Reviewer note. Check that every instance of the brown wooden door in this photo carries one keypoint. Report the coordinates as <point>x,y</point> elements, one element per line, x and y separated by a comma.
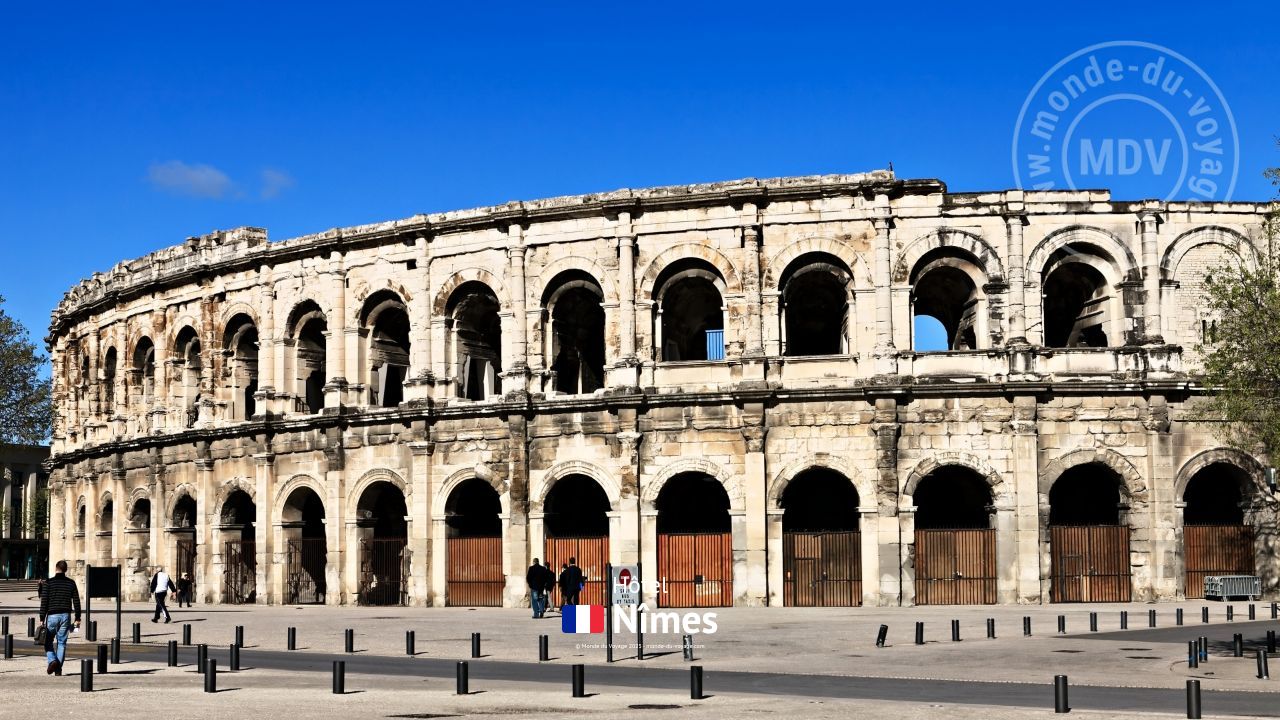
<point>474,576</point>
<point>956,567</point>
<point>1216,550</point>
<point>592,554</point>
<point>696,569</point>
<point>822,569</point>
<point>1090,563</point>
<point>384,571</point>
<point>239,571</point>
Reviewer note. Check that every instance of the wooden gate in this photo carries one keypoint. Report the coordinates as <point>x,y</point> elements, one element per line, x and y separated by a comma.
<point>822,569</point>
<point>1216,550</point>
<point>384,571</point>
<point>305,582</point>
<point>956,567</point>
<point>592,554</point>
<point>1090,563</point>
<point>696,569</point>
<point>239,572</point>
<point>474,576</point>
<point>185,558</point>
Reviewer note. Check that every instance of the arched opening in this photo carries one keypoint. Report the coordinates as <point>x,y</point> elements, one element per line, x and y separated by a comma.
<point>474,576</point>
<point>109,363</point>
<point>137,541</point>
<point>476,332</point>
<point>1078,300</point>
<point>182,529</point>
<point>140,517</point>
<point>1088,544</point>
<point>695,543</point>
<point>955,543</point>
<point>240,344</point>
<point>188,368</point>
<point>309,332</point>
<point>816,306</point>
<point>945,288</point>
<point>302,522</point>
<point>385,321</point>
<point>237,530</point>
<point>1215,537</point>
<point>576,519</point>
<point>382,529</point>
<point>106,526</point>
<point>574,329</point>
<point>690,306</point>
<point>821,545</point>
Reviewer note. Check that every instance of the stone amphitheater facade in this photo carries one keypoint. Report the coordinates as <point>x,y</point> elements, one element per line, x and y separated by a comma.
<point>724,380</point>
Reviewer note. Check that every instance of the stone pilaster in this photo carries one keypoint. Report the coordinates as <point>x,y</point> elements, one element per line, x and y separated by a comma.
<point>421,378</point>
<point>421,547</point>
<point>757,481</point>
<point>1162,519</point>
<point>1015,268</point>
<point>1025,476</point>
<point>338,346</point>
<point>516,353</point>
<point>886,355</point>
<point>1149,218</point>
<point>269,578</point>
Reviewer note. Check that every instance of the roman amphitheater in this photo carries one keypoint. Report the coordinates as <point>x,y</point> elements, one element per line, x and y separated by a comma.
<point>728,383</point>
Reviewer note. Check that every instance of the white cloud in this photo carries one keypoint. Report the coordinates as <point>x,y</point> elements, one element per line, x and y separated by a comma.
<point>197,180</point>
<point>274,182</point>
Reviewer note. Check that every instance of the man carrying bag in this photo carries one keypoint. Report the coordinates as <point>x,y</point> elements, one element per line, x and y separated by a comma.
<point>61,598</point>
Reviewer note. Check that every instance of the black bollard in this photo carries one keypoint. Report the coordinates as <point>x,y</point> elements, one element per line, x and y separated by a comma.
<point>8,646</point>
<point>211,676</point>
<point>1253,612</point>
<point>86,675</point>
<point>579,681</point>
<point>463,688</point>
<point>1204,649</point>
<point>991,628</point>
<point>186,634</point>
<point>409,648</point>
<point>687,646</point>
<point>544,648</point>
<point>919,633</point>
<point>173,653</point>
<point>4,624</point>
<point>1124,619</point>
<point>1093,622</point>
<point>1193,655</point>
<point>1204,614</point>
<point>137,633</point>
<point>955,631</point>
<point>1193,698</point>
<point>102,659</point>
<point>1151,618</point>
<point>1060,704</point>
<point>350,640</point>
<point>475,645</point>
<point>115,651</point>
<point>695,682</point>
<point>91,632</point>
<point>1178,616</point>
<point>339,677</point>
<point>1263,673</point>
<point>233,662</point>
<point>240,636</point>
<point>291,638</point>
<point>882,635</point>
<point>1231,613</point>
<point>31,627</point>
<point>1275,610</point>
<point>1237,645</point>
<point>1062,624</point>
<point>1271,641</point>
<point>202,655</point>
<point>1026,625</point>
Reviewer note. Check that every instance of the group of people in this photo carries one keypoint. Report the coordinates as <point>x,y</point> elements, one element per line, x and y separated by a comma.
<point>162,585</point>
<point>542,580</point>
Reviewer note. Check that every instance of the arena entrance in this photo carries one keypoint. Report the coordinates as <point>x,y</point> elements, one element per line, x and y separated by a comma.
<point>473,575</point>
<point>955,556</point>
<point>239,549</point>
<point>577,526</point>
<point>1088,545</point>
<point>695,544</point>
<point>1214,534</point>
<point>383,528</point>
<point>306,548</point>
<point>183,530</point>
<point>821,545</point>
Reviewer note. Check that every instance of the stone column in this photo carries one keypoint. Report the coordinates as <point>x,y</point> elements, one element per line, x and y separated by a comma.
<point>270,357</point>
<point>776,576</point>
<point>517,537</point>
<point>337,344</point>
<point>1025,478</point>
<point>1006,526</point>
<point>869,529</point>
<point>1016,305</point>
<point>1163,518</point>
<point>159,536</point>
<point>756,480</point>
<point>886,361</point>
<point>891,533</point>
<point>269,579</point>
<point>906,554</point>
<point>517,364</point>
<point>418,384</point>
<point>751,286</point>
<point>1150,219</point>
<point>341,569</point>
<point>91,509</point>
<point>208,555</point>
<point>627,292</point>
<point>625,544</point>
<point>420,545</point>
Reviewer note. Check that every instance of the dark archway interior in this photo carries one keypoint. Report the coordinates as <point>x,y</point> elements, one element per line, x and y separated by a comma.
<point>109,381</point>
<point>144,366</point>
<point>1086,494</point>
<point>242,343</point>
<point>107,516</point>
<point>478,331</point>
<point>140,518</point>
<point>948,295</point>
<point>577,324</point>
<point>184,512</point>
<point>389,353</point>
<point>1075,307</point>
<point>819,500</point>
<point>816,304</point>
<point>1213,496</point>
<point>953,497</point>
<point>306,507</point>
<point>576,506</point>
<point>692,320</point>
<point>239,509</point>
<point>382,505</point>
<point>312,361</point>
<point>691,503</point>
<point>472,510</point>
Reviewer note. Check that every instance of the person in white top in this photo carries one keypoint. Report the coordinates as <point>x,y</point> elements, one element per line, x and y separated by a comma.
<point>161,585</point>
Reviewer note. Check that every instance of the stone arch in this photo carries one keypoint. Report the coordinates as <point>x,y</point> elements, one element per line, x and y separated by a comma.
<point>1001,491</point>
<point>1133,487</point>
<point>183,323</point>
<point>1206,235</point>
<point>171,503</point>
<point>560,470</point>
<point>286,489</point>
<point>572,262</point>
<point>982,251</point>
<point>706,253</point>
<point>815,461</point>
<point>237,308</point>
<point>458,477</point>
<point>815,244</point>
<point>227,488</point>
<point>106,497</point>
<point>1242,460</point>
<point>731,483</point>
<point>1121,255</point>
<point>141,492</point>
<point>300,310</point>
<point>372,477</point>
<point>363,291</point>
<point>465,275</point>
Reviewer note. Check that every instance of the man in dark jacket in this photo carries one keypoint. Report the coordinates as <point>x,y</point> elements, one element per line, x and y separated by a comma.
<point>537,581</point>
<point>61,598</point>
<point>571,580</point>
<point>161,586</point>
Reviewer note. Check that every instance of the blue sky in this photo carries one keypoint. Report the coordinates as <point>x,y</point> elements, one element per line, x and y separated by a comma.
<point>126,128</point>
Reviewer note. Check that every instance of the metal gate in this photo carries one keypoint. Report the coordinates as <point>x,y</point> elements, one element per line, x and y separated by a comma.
<point>822,569</point>
<point>185,557</point>
<point>956,567</point>
<point>384,571</point>
<point>1216,550</point>
<point>305,582</point>
<point>592,553</point>
<point>239,571</point>
<point>1090,563</point>
<point>474,576</point>
<point>696,569</point>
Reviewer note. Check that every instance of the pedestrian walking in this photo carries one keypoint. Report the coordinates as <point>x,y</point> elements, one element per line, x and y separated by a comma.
<point>537,581</point>
<point>185,588</point>
<point>571,582</point>
<point>61,598</point>
<point>548,585</point>
<point>161,585</point>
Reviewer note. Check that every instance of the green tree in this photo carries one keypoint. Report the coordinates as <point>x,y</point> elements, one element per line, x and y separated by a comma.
<point>26,410</point>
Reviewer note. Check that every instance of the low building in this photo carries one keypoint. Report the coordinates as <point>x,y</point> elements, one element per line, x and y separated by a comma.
<point>24,512</point>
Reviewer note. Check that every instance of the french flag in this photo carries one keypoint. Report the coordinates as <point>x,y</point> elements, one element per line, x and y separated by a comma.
<point>582,619</point>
